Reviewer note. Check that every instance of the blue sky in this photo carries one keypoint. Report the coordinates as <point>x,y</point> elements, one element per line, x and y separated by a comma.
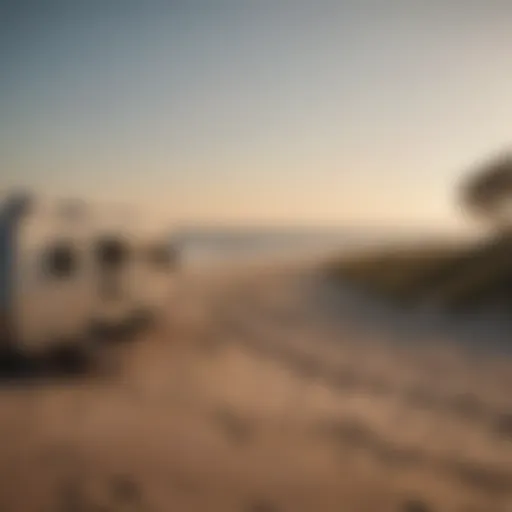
<point>289,112</point>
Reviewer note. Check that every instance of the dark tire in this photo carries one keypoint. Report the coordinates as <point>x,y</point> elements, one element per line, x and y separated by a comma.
<point>14,364</point>
<point>71,358</point>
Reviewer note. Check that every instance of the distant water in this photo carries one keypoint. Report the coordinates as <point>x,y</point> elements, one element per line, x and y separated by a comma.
<point>227,247</point>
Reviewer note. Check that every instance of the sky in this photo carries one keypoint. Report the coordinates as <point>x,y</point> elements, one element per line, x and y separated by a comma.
<point>256,111</point>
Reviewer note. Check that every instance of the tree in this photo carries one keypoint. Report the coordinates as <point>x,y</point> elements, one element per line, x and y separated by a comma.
<point>488,192</point>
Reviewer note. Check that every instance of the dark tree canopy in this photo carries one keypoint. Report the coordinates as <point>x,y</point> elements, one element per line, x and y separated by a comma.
<point>488,191</point>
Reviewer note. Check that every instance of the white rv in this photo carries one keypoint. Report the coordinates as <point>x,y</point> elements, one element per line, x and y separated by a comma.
<point>68,270</point>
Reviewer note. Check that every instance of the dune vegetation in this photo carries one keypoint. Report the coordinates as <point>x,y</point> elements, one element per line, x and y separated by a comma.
<point>468,276</point>
<point>465,277</point>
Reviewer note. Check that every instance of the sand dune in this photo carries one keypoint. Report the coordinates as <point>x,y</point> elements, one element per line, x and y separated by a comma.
<point>268,390</point>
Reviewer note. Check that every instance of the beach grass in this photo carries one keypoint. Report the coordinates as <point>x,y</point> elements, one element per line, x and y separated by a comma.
<point>458,276</point>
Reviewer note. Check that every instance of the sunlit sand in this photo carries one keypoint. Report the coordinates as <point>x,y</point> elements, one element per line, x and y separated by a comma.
<point>266,389</point>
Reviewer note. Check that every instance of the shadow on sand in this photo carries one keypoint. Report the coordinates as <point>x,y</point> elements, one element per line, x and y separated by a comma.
<point>16,368</point>
<point>71,360</point>
<point>66,361</point>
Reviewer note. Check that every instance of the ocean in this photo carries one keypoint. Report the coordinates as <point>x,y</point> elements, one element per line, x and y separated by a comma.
<point>218,247</point>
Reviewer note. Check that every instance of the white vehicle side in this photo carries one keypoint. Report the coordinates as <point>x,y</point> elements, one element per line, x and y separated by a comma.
<point>54,287</point>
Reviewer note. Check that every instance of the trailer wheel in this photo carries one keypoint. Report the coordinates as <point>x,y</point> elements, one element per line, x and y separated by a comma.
<point>71,358</point>
<point>14,364</point>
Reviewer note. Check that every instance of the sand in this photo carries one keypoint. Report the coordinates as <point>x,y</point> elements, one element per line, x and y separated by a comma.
<point>268,389</point>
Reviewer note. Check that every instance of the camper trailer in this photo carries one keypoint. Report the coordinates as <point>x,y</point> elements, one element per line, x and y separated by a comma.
<point>69,271</point>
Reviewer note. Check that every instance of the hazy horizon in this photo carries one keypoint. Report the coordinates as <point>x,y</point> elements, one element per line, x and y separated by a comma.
<point>257,113</point>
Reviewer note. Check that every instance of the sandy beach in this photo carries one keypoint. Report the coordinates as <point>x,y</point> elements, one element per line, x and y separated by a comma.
<point>268,390</point>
